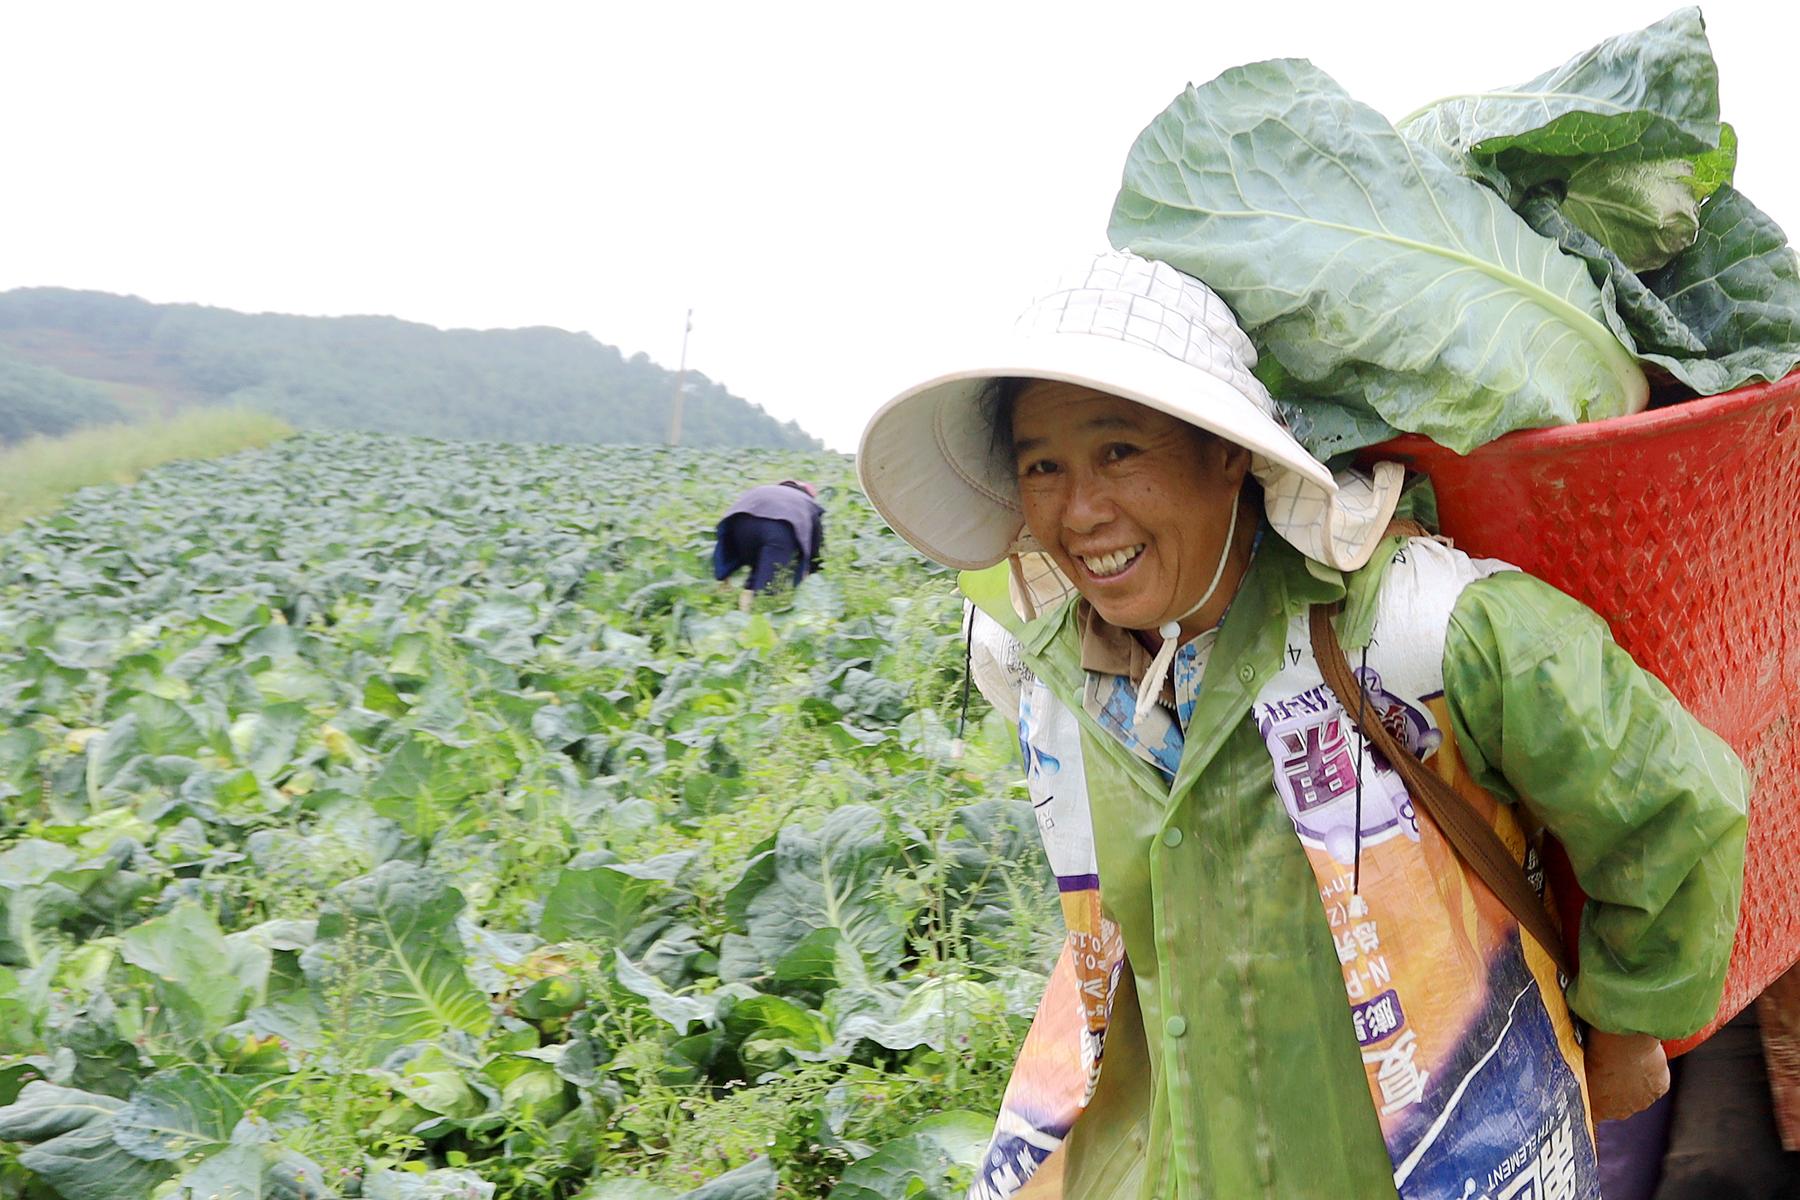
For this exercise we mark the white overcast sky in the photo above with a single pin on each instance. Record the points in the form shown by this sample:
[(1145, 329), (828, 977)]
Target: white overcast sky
[(835, 189)]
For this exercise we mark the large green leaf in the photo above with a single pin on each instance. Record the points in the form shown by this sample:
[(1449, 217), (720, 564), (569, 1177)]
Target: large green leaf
[(202, 979), (87, 1164), (819, 960), (182, 1111), (265, 741), (933, 1161), (1367, 269), (755, 1180), (1649, 94), (45, 1110), (292, 1013), (1645, 212), (1732, 308), (757, 874), (24, 1005), (760, 1024), (506, 626), (988, 843), (71, 1144), (682, 1012), (612, 907), (1626, 136), (442, 1184), (164, 727), (434, 1078), (391, 937), (940, 1013), (29, 919), (255, 1172), (33, 860), (18, 760), (995, 882), (1640, 317), (1738, 290), (829, 879), (422, 781)]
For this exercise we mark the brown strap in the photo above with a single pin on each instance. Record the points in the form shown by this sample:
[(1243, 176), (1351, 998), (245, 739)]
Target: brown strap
[(1467, 832)]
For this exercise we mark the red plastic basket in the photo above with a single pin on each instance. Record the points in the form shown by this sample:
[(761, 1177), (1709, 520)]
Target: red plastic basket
[(1678, 527)]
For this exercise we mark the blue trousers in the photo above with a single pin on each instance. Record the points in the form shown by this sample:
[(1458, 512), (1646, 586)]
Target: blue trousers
[(767, 545)]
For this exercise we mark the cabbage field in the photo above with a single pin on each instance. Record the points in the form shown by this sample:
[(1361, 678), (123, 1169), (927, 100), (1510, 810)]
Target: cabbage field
[(406, 819)]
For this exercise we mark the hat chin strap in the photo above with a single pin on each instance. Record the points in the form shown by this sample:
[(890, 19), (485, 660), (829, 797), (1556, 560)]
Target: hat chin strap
[(1152, 684)]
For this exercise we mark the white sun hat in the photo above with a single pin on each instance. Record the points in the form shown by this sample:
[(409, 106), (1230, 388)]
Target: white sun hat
[(1133, 328)]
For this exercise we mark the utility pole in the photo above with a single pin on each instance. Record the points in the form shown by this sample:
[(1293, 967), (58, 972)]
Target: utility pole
[(680, 379)]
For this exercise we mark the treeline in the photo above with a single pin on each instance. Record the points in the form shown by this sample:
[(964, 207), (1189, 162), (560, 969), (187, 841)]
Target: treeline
[(37, 400), (71, 358)]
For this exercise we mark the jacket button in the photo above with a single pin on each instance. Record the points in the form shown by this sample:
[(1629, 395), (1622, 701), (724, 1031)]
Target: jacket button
[(1246, 672), (1175, 1027), (1171, 837)]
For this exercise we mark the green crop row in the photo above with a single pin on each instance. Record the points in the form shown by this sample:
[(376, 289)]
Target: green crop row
[(396, 818)]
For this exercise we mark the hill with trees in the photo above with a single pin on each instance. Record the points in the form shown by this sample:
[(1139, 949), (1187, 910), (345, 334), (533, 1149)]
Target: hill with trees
[(73, 358)]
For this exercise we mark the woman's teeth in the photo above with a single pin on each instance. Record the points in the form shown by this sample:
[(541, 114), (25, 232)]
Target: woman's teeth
[(1111, 564)]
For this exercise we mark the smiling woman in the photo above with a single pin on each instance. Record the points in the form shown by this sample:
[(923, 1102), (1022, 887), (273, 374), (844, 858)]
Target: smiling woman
[(1134, 506), (1296, 983)]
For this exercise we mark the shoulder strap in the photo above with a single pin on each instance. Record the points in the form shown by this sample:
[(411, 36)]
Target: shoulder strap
[(1473, 839)]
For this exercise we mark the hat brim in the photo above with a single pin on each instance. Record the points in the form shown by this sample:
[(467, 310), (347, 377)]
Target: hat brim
[(929, 464)]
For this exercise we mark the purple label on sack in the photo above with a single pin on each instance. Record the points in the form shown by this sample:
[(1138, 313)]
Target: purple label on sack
[(1380, 1018)]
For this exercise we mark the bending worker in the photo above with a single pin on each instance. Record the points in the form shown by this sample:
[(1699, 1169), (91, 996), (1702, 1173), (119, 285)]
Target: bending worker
[(1280, 979), (777, 530)]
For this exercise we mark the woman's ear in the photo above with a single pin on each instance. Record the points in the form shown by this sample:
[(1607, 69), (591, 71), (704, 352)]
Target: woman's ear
[(1237, 463), (1228, 460)]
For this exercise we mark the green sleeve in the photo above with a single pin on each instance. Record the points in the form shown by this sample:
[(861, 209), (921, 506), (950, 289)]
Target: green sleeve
[(1649, 804)]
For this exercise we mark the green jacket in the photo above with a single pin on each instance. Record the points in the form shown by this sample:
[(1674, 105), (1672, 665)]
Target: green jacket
[(1230, 1068)]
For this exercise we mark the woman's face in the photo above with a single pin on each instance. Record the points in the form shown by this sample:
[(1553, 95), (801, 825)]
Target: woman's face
[(1132, 504)]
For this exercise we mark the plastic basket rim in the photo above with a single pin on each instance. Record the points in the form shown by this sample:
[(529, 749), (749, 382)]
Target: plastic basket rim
[(1562, 439)]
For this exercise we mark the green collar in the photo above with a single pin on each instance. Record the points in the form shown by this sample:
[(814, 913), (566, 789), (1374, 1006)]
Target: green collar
[(1281, 584)]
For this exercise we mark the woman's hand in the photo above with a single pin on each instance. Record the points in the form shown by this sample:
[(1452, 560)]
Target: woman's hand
[(1626, 1073)]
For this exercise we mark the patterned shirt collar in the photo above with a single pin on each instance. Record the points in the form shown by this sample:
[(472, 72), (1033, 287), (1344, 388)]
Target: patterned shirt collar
[(1115, 662)]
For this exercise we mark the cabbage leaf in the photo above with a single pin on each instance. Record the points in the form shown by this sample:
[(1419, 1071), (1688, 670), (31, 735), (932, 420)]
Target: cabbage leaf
[(1651, 94), (1370, 273)]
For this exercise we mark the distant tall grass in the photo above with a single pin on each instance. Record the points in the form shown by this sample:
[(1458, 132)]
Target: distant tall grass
[(37, 474)]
